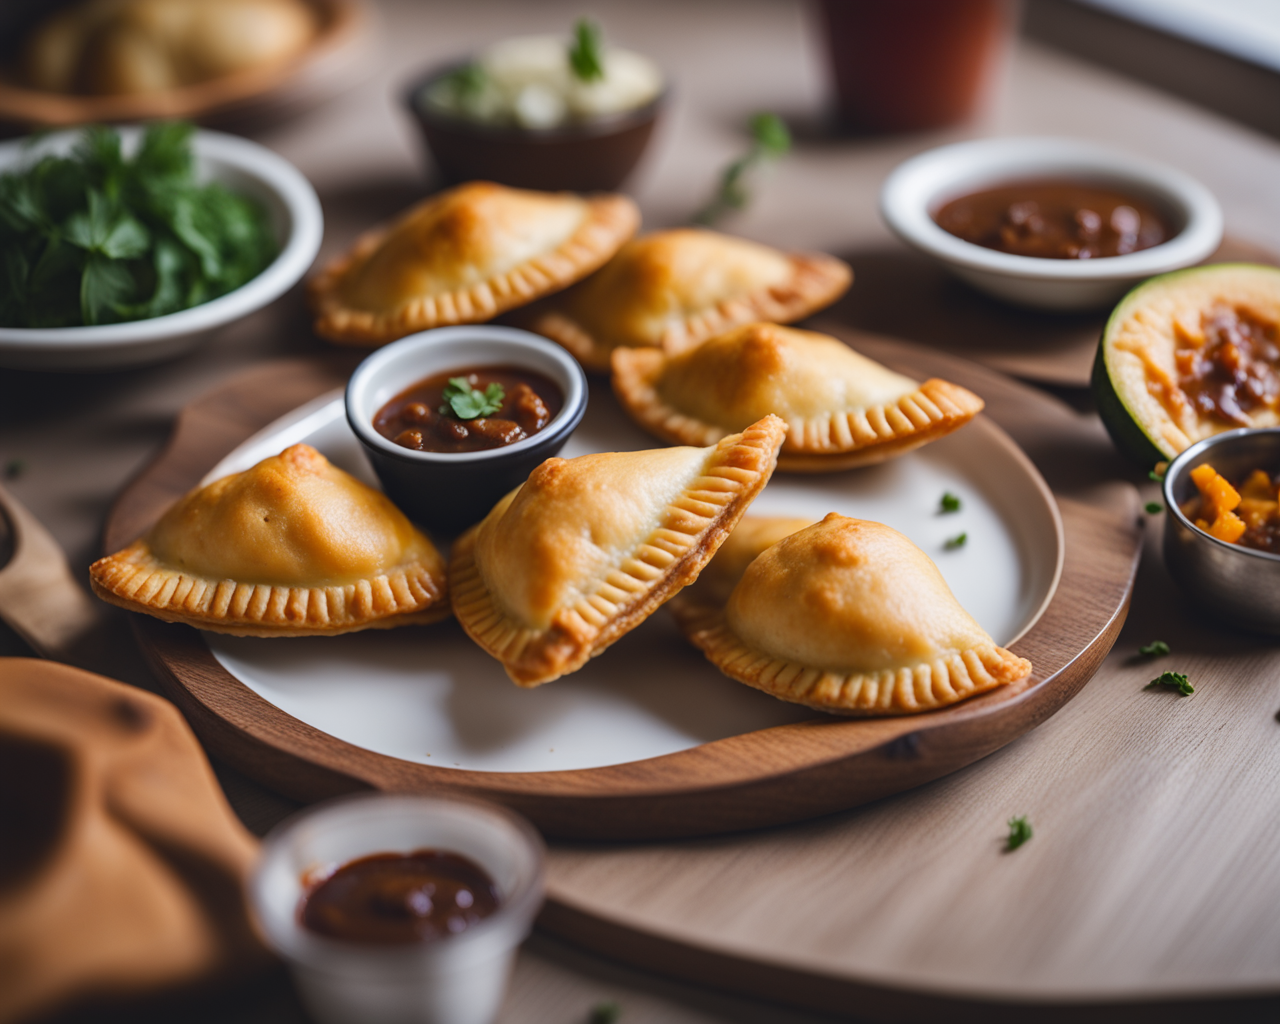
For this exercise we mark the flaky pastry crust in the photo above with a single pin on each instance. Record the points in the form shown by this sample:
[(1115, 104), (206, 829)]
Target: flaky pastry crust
[(674, 289), (291, 547), (842, 409), (464, 256), (588, 548), (847, 617)]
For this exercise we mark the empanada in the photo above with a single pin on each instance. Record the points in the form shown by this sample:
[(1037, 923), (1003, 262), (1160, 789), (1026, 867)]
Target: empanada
[(674, 289), (842, 409), (292, 547), (587, 548), (849, 617), (465, 256)]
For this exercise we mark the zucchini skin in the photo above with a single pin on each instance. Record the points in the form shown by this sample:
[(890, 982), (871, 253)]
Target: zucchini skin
[(1130, 438)]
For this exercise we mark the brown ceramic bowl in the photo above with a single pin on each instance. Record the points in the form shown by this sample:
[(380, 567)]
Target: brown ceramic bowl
[(595, 157)]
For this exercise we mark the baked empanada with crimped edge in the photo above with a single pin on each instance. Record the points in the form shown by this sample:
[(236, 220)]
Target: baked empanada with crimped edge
[(587, 548), (464, 256), (291, 547), (842, 409), (848, 617), (674, 289)]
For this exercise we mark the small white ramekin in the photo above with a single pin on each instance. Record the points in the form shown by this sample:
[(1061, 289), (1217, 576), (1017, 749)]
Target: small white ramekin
[(460, 979), (916, 189), (244, 166)]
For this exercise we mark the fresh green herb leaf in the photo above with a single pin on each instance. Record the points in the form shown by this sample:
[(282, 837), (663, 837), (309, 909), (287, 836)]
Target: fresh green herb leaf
[(1153, 507), (949, 503), (467, 82), (605, 1013), (1176, 680), (958, 541), (467, 403), (1157, 473), (770, 141), (586, 53), (1019, 833), (98, 237), (14, 468), (1155, 649)]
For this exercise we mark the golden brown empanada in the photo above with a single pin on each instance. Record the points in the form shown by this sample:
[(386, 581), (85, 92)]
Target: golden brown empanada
[(587, 548), (842, 409), (674, 289), (292, 547), (848, 616), (465, 256)]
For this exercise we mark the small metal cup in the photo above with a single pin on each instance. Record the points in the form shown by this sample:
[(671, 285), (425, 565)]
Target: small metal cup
[(1238, 585)]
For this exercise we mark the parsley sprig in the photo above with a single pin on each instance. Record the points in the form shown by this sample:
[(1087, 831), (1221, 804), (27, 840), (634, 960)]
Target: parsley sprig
[(948, 503), (1175, 680), (96, 237), (1155, 649), (1019, 832), (586, 53), (770, 141), (468, 403), (958, 541)]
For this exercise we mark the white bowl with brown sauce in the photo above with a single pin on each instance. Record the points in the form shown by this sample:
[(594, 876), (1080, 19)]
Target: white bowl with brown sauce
[(1097, 220)]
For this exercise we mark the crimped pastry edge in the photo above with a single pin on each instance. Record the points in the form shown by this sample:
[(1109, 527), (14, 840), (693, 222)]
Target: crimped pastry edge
[(135, 579), (815, 444), (611, 220), (927, 686), (817, 280), (665, 562)]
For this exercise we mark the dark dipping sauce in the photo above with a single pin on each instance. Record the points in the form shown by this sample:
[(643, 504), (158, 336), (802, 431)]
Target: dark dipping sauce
[(1231, 369), (399, 898), (418, 418), (1055, 220)]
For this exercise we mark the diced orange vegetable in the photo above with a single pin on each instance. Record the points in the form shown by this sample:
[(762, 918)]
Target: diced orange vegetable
[(1217, 495), (1228, 526), (1258, 486)]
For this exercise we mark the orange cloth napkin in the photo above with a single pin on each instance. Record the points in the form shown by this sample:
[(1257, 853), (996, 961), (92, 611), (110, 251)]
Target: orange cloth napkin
[(121, 864)]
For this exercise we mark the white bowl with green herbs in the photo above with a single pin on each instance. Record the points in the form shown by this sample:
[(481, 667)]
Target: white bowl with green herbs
[(115, 255)]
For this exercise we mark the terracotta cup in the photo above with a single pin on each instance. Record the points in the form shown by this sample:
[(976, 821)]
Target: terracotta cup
[(908, 65)]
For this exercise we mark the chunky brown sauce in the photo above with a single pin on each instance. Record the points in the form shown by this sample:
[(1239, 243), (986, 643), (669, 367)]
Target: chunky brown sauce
[(1058, 220), (396, 898), (1231, 369), (421, 419)]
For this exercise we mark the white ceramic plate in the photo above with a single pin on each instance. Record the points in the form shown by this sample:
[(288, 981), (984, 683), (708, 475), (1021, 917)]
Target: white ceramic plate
[(428, 694), (253, 170)]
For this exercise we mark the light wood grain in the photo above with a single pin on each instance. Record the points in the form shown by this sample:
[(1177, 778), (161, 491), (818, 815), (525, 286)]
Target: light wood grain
[(906, 294), (787, 773)]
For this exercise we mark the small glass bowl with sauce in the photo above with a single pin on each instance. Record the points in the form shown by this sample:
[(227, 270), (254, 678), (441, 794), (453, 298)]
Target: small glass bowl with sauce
[(399, 908), (1054, 224), (1236, 584), (454, 418)]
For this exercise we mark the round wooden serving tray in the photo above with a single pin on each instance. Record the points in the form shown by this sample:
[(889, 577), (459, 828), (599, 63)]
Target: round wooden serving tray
[(782, 774)]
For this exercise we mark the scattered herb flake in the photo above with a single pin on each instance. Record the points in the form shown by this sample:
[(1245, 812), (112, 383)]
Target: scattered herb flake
[(14, 468), (1158, 472), (586, 54), (770, 141), (1019, 833), (1153, 507), (958, 541), (949, 503), (605, 1013), (1155, 649), (1176, 680), (467, 403)]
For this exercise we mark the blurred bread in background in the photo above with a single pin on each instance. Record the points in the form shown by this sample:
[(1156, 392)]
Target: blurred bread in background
[(130, 47)]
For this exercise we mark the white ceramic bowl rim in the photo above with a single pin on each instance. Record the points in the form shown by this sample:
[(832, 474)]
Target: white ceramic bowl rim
[(293, 940), (1175, 472), (362, 406), (297, 251), (913, 191)]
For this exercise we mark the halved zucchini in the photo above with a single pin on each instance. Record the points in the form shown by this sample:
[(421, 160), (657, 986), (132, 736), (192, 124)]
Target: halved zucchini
[(1145, 371)]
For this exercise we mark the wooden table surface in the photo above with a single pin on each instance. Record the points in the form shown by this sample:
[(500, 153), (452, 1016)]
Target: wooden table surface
[(1154, 814)]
